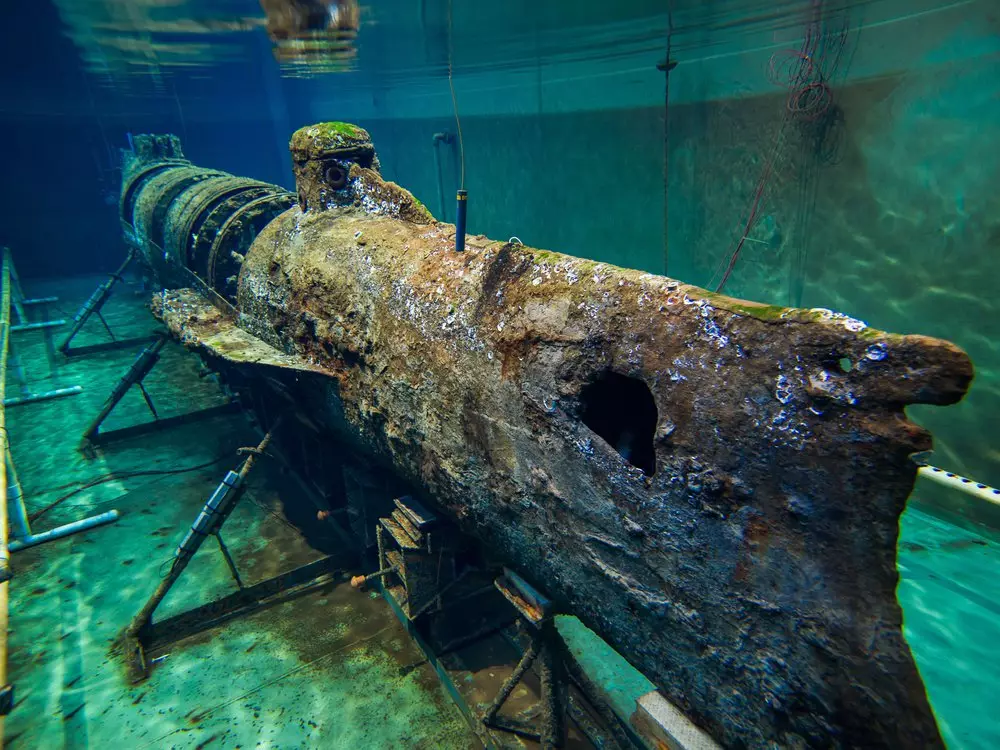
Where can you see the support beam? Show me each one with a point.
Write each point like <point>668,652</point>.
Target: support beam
<point>94,304</point>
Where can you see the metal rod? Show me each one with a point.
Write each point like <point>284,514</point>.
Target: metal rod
<point>15,502</point>
<point>148,399</point>
<point>105,323</point>
<point>229,559</point>
<point>50,344</point>
<point>18,368</point>
<point>358,582</point>
<point>515,677</point>
<point>16,293</point>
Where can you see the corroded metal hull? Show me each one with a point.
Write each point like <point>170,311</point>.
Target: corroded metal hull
<point>714,486</point>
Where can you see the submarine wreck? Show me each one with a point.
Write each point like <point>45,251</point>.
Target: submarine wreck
<point>712,485</point>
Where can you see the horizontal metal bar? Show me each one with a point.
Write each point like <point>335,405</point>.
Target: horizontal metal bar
<point>33,397</point>
<point>61,531</point>
<point>960,483</point>
<point>326,571</point>
<point>105,346</point>
<point>38,326</point>
<point>106,436</point>
<point>39,301</point>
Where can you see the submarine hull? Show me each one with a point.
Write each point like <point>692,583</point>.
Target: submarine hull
<point>700,479</point>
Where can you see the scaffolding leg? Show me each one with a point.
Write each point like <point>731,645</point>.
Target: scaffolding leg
<point>17,296</point>
<point>140,368</point>
<point>105,324</point>
<point>209,522</point>
<point>94,304</point>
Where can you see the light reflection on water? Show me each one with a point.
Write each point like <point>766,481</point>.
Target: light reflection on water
<point>408,40</point>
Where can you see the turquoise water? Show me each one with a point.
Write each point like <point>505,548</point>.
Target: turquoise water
<point>951,611</point>
<point>573,139</point>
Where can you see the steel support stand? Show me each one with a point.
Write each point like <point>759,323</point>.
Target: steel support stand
<point>93,307</point>
<point>135,374</point>
<point>536,611</point>
<point>208,523</point>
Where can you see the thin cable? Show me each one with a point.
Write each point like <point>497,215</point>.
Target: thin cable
<point>454,100</point>
<point>121,475</point>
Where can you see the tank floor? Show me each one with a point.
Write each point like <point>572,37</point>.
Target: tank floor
<point>324,670</point>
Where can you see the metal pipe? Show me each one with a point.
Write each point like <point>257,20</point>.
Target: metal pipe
<point>962,484</point>
<point>461,210</point>
<point>65,530</point>
<point>33,397</point>
<point>37,326</point>
<point>96,302</point>
<point>15,500</point>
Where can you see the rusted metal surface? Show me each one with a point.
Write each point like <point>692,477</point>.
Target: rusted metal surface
<point>712,485</point>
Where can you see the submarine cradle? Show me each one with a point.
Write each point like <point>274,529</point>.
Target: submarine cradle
<point>699,479</point>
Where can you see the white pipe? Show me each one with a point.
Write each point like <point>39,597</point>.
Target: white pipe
<point>66,530</point>
<point>960,483</point>
<point>21,527</point>
<point>38,326</point>
<point>58,393</point>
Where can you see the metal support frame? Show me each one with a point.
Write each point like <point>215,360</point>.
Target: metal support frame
<point>5,569</point>
<point>92,307</point>
<point>143,635</point>
<point>544,647</point>
<point>208,523</point>
<point>11,497</point>
<point>134,376</point>
<point>416,558</point>
<point>20,305</point>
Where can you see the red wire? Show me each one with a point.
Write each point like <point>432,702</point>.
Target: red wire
<point>809,99</point>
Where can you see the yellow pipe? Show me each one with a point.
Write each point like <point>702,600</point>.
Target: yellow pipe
<point>4,525</point>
